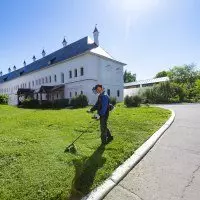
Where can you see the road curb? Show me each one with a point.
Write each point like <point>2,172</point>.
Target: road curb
<point>101,191</point>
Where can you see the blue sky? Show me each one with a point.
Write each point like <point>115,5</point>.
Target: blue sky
<point>148,35</point>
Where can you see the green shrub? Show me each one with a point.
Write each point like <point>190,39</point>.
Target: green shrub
<point>3,99</point>
<point>113,100</point>
<point>30,103</point>
<point>46,104</point>
<point>80,101</point>
<point>132,101</point>
<point>164,93</point>
<point>61,103</point>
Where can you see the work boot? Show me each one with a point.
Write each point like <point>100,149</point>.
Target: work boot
<point>109,139</point>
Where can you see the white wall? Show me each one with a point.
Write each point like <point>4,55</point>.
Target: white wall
<point>111,77</point>
<point>96,70</point>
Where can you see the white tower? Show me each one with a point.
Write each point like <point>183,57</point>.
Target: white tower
<point>96,35</point>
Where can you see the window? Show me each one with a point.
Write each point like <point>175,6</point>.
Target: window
<point>55,78</point>
<point>33,83</point>
<point>70,94</point>
<point>75,93</point>
<point>46,79</point>
<point>57,95</point>
<point>62,78</point>
<point>108,92</point>
<point>82,71</point>
<point>24,85</point>
<point>75,73</point>
<point>39,81</point>
<point>118,93</point>
<point>70,74</point>
<point>81,92</point>
<point>49,79</point>
<point>36,82</point>
<point>29,84</point>
<point>42,80</point>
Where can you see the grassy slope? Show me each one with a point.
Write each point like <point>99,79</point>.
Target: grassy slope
<point>33,164</point>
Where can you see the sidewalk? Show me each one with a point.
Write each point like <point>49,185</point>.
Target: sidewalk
<point>171,170</point>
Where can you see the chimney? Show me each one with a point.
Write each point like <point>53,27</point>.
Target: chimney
<point>96,36</point>
<point>43,53</point>
<point>64,43</point>
<point>1,73</point>
<point>24,63</point>
<point>9,70</point>
<point>34,58</point>
<point>14,68</point>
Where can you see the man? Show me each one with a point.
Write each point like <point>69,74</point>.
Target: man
<point>102,107</point>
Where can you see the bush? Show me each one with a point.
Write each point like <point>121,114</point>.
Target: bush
<point>80,101</point>
<point>132,101</point>
<point>3,99</point>
<point>46,104</point>
<point>61,103</point>
<point>113,100</point>
<point>164,93</point>
<point>30,103</point>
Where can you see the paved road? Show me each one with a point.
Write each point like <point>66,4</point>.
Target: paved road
<point>171,170</point>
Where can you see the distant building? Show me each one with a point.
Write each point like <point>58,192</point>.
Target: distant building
<point>134,87</point>
<point>72,70</point>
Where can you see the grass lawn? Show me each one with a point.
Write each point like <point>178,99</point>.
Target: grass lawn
<point>33,164</point>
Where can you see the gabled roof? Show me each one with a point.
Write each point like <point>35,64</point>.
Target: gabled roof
<point>64,53</point>
<point>74,49</point>
<point>147,81</point>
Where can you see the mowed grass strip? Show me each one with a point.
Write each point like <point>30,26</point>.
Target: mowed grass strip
<point>33,164</point>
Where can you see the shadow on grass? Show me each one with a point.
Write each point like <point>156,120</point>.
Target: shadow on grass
<point>85,173</point>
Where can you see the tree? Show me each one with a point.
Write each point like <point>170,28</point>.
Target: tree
<point>184,74</point>
<point>161,74</point>
<point>128,77</point>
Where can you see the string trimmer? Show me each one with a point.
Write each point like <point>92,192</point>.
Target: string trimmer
<point>71,148</point>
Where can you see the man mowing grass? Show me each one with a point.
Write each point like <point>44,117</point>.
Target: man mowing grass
<point>103,107</point>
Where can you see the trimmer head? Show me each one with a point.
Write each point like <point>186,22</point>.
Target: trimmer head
<point>70,149</point>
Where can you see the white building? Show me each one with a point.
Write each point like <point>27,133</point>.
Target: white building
<point>72,70</point>
<point>133,88</point>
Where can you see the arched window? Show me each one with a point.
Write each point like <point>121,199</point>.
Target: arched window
<point>118,93</point>
<point>70,74</point>
<point>75,73</point>
<point>82,71</point>
<point>55,78</point>
<point>62,78</point>
<point>108,92</point>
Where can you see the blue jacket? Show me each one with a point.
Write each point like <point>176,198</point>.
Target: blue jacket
<point>102,104</point>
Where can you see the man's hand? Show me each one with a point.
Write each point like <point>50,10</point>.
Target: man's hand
<point>89,111</point>
<point>97,116</point>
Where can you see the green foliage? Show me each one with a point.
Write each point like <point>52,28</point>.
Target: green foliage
<point>163,93</point>
<point>61,103</point>
<point>3,99</point>
<point>34,103</point>
<point>113,100</point>
<point>183,74</point>
<point>80,101</point>
<point>29,103</point>
<point>128,77</point>
<point>197,89</point>
<point>132,101</point>
<point>33,164</point>
<point>183,86</point>
<point>161,74</point>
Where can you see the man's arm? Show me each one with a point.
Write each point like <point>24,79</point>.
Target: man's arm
<point>104,105</point>
<point>95,107</point>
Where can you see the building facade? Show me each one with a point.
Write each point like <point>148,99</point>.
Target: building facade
<point>72,70</point>
<point>134,88</point>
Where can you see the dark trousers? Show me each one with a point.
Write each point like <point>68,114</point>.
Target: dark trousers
<point>105,132</point>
